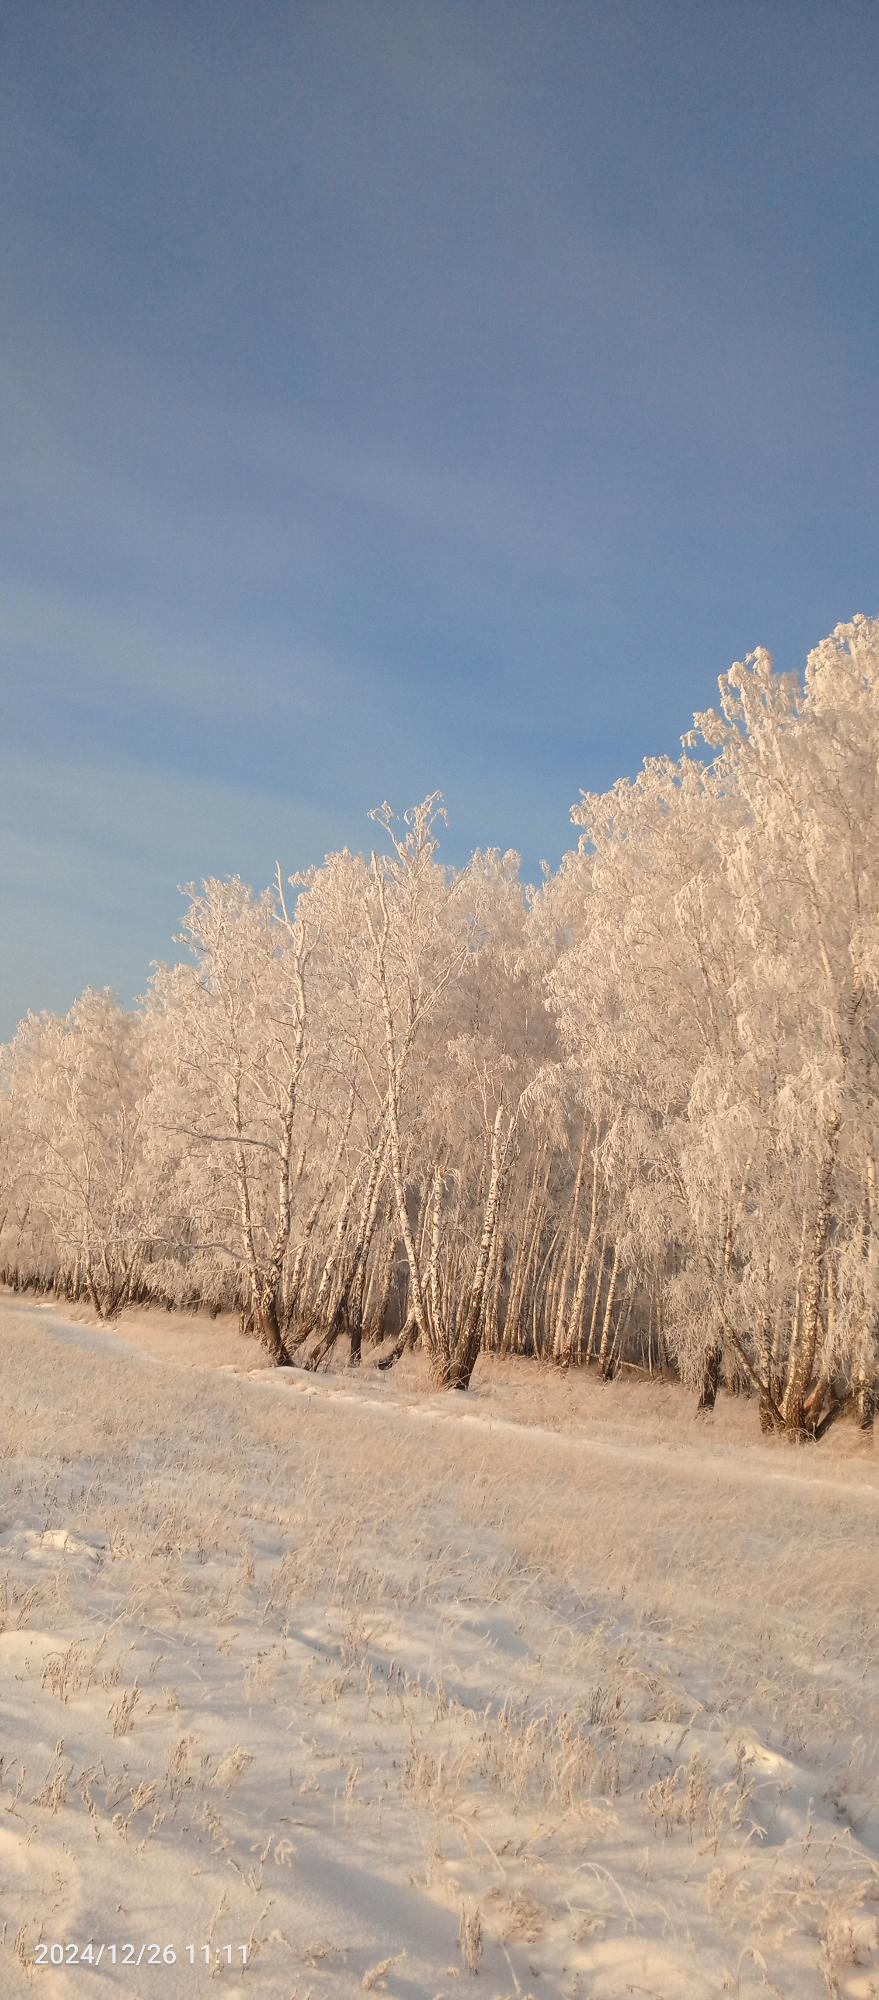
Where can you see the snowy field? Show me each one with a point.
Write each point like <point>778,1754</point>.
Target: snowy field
<point>386,1690</point>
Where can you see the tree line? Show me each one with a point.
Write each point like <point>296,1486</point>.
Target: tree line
<point>626,1119</point>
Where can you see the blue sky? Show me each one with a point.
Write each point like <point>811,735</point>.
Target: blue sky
<point>400,396</point>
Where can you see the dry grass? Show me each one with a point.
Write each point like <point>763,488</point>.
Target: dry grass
<point>335,1667</point>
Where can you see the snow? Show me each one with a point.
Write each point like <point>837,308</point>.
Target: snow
<point>339,1672</point>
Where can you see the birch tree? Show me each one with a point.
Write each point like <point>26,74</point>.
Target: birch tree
<point>625,1119</point>
<point>229,1050</point>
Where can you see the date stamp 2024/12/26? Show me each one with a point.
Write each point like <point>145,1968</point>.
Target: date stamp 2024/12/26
<point>124,1952</point>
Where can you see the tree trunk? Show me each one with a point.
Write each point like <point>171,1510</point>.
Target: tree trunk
<point>804,1355</point>
<point>603,1362</point>
<point>529,1241</point>
<point>469,1340</point>
<point>268,1333</point>
<point>867,1372</point>
<point>560,1349</point>
<point>710,1377</point>
<point>596,1300</point>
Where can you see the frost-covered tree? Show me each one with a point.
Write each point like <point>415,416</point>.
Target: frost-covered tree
<point>717,1000</point>
<point>805,878</point>
<point>626,1119</point>
<point>228,1049</point>
<point>74,1095</point>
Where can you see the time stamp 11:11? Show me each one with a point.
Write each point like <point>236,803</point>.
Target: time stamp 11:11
<point>126,1953</point>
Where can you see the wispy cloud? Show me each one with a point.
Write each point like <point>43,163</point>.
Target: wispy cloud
<point>93,855</point>
<point>393,398</point>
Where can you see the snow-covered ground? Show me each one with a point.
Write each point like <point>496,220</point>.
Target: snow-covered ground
<point>369,1684</point>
